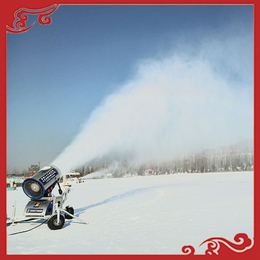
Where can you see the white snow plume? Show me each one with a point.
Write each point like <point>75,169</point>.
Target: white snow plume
<point>173,106</point>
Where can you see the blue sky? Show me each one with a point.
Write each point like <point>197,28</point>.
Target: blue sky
<point>58,74</point>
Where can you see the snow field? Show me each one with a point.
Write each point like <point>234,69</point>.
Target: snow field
<point>142,215</point>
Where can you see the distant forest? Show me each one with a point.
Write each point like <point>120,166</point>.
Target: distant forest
<point>238,157</point>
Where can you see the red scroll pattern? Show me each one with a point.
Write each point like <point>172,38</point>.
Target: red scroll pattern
<point>219,244</point>
<point>21,17</point>
<point>188,250</point>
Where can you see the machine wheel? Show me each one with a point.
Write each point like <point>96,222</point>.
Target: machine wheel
<point>52,222</point>
<point>71,211</point>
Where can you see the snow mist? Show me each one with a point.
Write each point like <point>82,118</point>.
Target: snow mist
<point>173,106</point>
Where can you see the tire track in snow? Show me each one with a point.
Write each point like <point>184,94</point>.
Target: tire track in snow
<point>121,196</point>
<point>113,198</point>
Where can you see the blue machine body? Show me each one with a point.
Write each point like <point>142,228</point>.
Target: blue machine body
<point>41,183</point>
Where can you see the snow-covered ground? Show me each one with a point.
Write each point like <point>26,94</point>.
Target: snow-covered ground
<point>142,215</point>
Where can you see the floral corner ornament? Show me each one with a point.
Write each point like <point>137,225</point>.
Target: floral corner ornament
<point>218,244</point>
<point>21,17</point>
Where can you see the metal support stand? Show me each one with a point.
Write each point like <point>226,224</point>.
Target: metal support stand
<point>14,211</point>
<point>52,203</point>
<point>73,216</point>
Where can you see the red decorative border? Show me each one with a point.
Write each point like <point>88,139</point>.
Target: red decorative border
<point>21,17</point>
<point>215,245</point>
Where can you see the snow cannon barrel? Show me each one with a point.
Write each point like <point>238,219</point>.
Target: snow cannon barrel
<point>42,182</point>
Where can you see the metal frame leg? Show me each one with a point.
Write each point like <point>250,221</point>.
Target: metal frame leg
<point>74,216</point>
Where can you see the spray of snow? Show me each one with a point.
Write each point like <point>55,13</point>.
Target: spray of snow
<point>172,106</point>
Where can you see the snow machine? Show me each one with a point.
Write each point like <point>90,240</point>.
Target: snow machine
<point>43,204</point>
